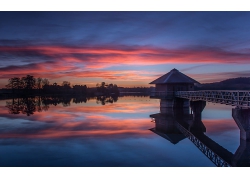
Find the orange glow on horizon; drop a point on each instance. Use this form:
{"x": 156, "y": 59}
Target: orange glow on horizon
{"x": 88, "y": 64}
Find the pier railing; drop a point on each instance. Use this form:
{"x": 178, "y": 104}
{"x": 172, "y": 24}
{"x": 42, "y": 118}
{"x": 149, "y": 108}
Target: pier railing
{"x": 234, "y": 98}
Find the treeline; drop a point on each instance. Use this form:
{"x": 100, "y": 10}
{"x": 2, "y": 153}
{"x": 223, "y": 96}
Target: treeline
{"x": 106, "y": 88}
{"x": 33, "y": 86}
{"x": 26, "y": 83}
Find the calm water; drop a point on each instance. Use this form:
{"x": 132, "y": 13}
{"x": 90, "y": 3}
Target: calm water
{"x": 88, "y": 133}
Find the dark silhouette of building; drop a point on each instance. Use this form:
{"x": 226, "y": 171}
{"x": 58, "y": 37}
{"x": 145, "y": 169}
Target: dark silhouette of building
{"x": 174, "y": 81}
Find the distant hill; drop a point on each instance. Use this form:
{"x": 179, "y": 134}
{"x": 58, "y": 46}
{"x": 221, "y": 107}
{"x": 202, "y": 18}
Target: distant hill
{"x": 241, "y": 83}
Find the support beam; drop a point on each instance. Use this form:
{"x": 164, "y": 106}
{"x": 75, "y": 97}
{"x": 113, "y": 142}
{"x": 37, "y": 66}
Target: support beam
{"x": 241, "y": 157}
{"x": 197, "y": 106}
{"x": 242, "y": 119}
{"x": 197, "y": 125}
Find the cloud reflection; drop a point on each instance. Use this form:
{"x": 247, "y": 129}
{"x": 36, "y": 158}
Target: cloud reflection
{"x": 78, "y": 120}
{"x": 219, "y": 126}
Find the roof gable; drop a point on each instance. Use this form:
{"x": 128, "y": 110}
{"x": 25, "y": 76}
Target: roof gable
{"x": 173, "y": 138}
{"x": 174, "y": 76}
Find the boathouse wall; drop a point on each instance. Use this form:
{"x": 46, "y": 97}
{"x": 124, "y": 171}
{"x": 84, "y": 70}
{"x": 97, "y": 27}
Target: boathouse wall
{"x": 174, "y": 87}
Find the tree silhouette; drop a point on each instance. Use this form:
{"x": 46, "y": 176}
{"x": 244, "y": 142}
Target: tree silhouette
{"x": 29, "y": 106}
{"x": 106, "y": 99}
{"x": 115, "y": 89}
{"x": 14, "y": 106}
{"x": 39, "y": 83}
{"x": 80, "y": 89}
{"x": 15, "y": 83}
{"x": 45, "y": 82}
{"x": 66, "y": 84}
{"x": 29, "y": 82}
{"x": 25, "y": 105}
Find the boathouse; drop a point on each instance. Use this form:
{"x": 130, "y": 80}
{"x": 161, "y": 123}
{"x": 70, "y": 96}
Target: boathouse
{"x": 174, "y": 81}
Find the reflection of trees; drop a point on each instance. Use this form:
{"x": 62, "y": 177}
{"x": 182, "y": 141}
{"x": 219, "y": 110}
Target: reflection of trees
{"x": 79, "y": 100}
{"x": 65, "y": 101}
{"x": 14, "y": 106}
{"x": 25, "y": 105}
{"x": 29, "y": 105}
{"x": 106, "y": 99}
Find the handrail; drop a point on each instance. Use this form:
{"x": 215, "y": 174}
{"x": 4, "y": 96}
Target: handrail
{"x": 231, "y": 97}
{"x": 237, "y": 98}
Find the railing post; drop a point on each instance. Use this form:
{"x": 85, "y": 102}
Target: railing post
{"x": 238, "y": 98}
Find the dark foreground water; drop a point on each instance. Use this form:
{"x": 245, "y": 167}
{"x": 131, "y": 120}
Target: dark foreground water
{"x": 36, "y": 132}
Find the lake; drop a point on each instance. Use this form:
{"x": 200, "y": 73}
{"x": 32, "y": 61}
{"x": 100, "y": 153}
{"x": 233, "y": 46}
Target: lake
{"x": 68, "y": 132}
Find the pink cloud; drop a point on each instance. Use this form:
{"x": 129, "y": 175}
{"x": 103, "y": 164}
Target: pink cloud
{"x": 88, "y": 62}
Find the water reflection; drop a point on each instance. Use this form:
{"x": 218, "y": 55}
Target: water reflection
{"x": 166, "y": 128}
{"x": 80, "y": 131}
{"x": 90, "y": 119}
{"x": 26, "y": 106}
{"x": 106, "y": 99}
{"x": 29, "y": 105}
{"x": 178, "y": 123}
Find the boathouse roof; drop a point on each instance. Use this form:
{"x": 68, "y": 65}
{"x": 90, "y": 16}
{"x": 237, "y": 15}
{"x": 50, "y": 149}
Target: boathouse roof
{"x": 174, "y": 76}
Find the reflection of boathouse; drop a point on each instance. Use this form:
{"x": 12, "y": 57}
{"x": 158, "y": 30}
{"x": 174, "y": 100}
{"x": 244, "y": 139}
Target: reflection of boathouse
{"x": 166, "y": 128}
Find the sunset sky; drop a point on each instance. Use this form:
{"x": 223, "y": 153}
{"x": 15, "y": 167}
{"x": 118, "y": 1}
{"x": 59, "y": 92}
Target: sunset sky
{"x": 125, "y": 48}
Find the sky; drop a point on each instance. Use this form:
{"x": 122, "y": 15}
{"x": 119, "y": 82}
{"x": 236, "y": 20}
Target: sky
{"x": 125, "y": 48}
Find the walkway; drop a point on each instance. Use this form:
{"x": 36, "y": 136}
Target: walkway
{"x": 227, "y": 97}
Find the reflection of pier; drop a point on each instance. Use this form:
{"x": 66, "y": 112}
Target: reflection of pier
{"x": 216, "y": 153}
{"x": 177, "y": 124}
